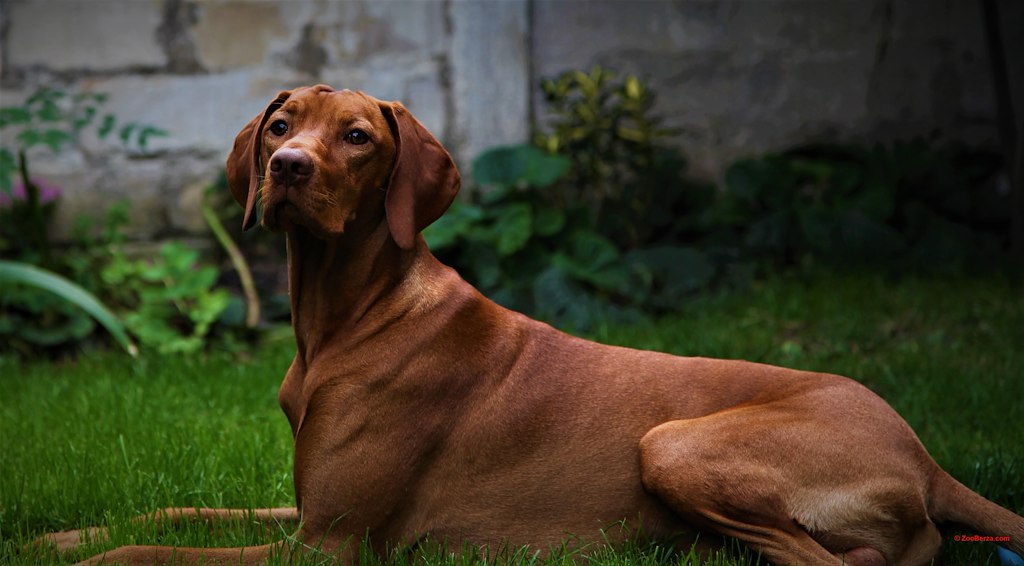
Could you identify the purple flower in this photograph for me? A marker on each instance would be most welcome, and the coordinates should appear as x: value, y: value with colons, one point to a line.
x: 47, y: 193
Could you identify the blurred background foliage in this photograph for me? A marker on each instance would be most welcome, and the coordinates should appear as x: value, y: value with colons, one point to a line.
x: 596, y: 220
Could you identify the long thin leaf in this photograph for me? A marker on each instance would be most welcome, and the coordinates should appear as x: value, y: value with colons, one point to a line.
x: 252, y: 300
x: 15, y: 272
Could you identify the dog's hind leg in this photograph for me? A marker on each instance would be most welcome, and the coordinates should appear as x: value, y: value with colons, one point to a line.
x: 747, y: 473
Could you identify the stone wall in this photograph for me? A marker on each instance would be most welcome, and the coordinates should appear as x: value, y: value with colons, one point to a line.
x: 734, y: 76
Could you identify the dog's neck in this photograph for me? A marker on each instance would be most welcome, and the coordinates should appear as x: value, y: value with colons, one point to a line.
x: 334, y: 283
x: 344, y: 297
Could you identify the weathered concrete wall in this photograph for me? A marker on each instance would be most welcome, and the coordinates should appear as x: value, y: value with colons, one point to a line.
x: 735, y: 76
x: 749, y: 75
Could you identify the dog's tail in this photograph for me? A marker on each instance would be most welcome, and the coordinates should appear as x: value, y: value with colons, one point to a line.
x: 953, y: 502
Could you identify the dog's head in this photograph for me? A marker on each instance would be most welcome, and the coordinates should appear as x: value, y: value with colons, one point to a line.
x: 322, y: 159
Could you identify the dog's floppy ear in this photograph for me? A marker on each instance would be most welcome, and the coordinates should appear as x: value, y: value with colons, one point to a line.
x: 243, y: 166
x: 424, y: 180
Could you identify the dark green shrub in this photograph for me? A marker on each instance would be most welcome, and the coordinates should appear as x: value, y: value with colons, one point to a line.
x: 606, y: 127
x: 531, y: 250
x: 603, y: 223
x: 568, y: 229
x: 909, y: 206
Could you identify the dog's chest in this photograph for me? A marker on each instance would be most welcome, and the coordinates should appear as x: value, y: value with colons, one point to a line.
x: 289, y: 396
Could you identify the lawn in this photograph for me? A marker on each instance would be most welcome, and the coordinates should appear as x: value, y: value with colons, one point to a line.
x: 102, y: 438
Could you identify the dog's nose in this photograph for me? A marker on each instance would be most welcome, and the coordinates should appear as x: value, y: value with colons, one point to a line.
x: 289, y: 165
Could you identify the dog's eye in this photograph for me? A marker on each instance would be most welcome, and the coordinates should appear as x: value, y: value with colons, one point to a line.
x: 357, y: 137
x: 279, y: 127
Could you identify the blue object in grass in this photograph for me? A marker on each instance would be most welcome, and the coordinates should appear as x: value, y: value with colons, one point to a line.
x: 1009, y: 558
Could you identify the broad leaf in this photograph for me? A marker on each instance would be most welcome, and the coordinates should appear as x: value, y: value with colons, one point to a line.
x: 592, y: 249
x: 548, y: 221
x: 454, y: 224
x: 514, y: 227
x: 517, y: 165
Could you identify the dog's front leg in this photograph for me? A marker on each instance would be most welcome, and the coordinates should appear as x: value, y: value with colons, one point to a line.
x: 148, y: 555
x: 66, y: 541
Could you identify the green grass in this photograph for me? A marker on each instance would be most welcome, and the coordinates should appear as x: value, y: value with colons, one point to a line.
x: 100, y: 439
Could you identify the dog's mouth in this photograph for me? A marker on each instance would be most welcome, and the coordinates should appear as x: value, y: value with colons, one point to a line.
x: 287, y: 212
x: 280, y: 214
x: 284, y: 215
x: 294, y: 205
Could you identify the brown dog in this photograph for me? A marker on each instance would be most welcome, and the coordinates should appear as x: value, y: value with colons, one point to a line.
x: 421, y: 408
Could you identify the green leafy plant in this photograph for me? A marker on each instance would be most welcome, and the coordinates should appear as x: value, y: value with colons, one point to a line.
x: 52, y: 118
x: 45, y: 309
x: 605, y: 124
x: 566, y: 228
x: 503, y: 237
x: 168, y: 301
x: 41, y: 318
x: 23, y: 322
x: 529, y: 249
